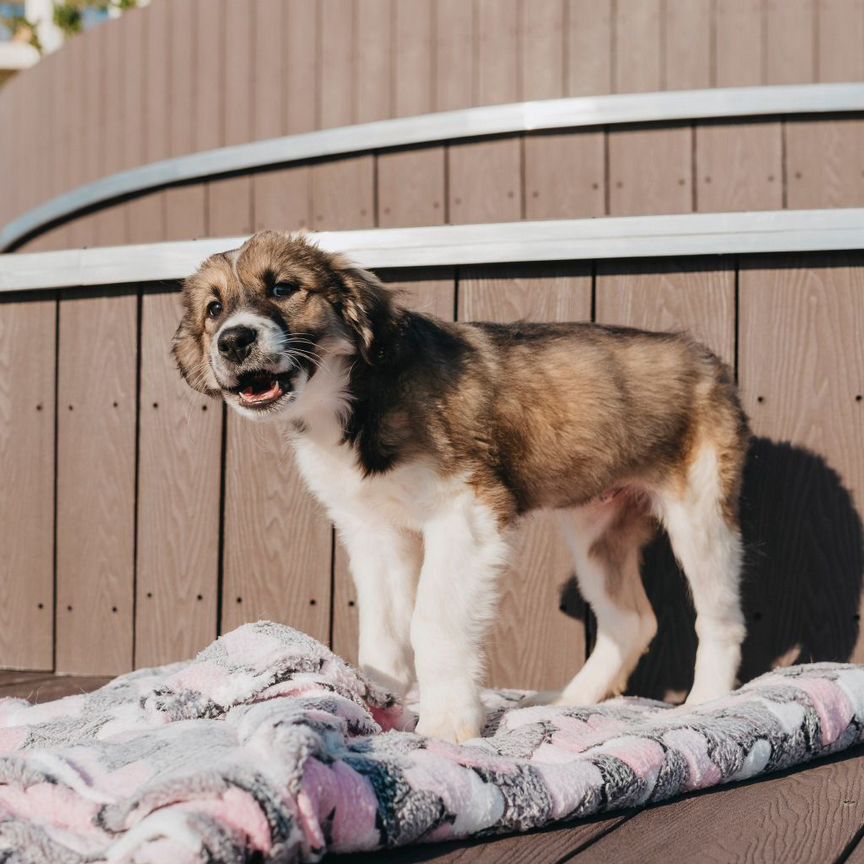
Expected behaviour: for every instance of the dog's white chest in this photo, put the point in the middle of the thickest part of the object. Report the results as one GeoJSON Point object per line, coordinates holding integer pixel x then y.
{"type": "Point", "coordinates": [408, 495]}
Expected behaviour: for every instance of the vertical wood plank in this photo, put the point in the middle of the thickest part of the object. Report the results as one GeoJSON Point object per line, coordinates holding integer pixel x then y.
{"type": "Point", "coordinates": [109, 225]}
{"type": "Point", "coordinates": [343, 194]}
{"type": "Point", "coordinates": [790, 43]}
{"type": "Point", "coordinates": [541, 31]}
{"type": "Point", "coordinates": [588, 50]}
{"type": "Point", "coordinates": [485, 176]}
{"type": "Point", "coordinates": [282, 196]}
{"type": "Point", "coordinates": [824, 163]}
{"type": "Point", "coordinates": [650, 170]}
{"type": "Point", "coordinates": [209, 106]}
{"type": "Point", "coordinates": [277, 202]}
{"type": "Point", "coordinates": [230, 198]}
{"type": "Point", "coordinates": [27, 468]}
{"type": "Point", "coordinates": [103, 103]}
{"type": "Point", "coordinates": [336, 62]}
{"type": "Point", "coordinates": [687, 44]}
{"type": "Point", "coordinates": [94, 104]}
{"type": "Point", "coordinates": [840, 47]}
{"type": "Point", "coordinates": [738, 43]}
{"type": "Point", "coordinates": [300, 67]}
{"type": "Point", "coordinates": [13, 99]}
{"type": "Point", "coordinates": [496, 76]}
{"type": "Point", "coordinates": [638, 40]}
{"type": "Point", "coordinates": [96, 481]}
{"type": "Point", "coordinates": [133, 25]}
{"type": "Point", "coordinates": [485, 181]}
{"type": "Point", "coordinates": [431, 292]}
{"type": "Point", "coordinates": [7, 154]}
{"type": "Point", "coordinates": [373, 58]}
{"type": "Point", "coordinates": [411, 187]}
{"type": "Point", "coordinates": [343, 190]}
{"type": "Point", "coordinates": [78, 63]}
{"type": "Point", "coordinates": [79, 229]}
{"type": "Point", "coordinates": [411, 182]}
{"type": "Point", "coordinates": [185, 206]}
{"type": "Point", "coordinates": [533, 644]}
{"type": "Point", "coordinates": [739, 166]}
{"type": "Point", "coordinates": [110, 228]}
{"type": "Point", "coordinates": [565, 175]}
{"type": "Point", "coordinates": [454, 54]}
{"type": "Point", "coordinates": [801, 374]}
{"type": "Point", "coordinates": [413, 69]}
{"type": "Point", "coordinates": [497, 72]}
{"type": "Point", "coordinates": [146, 214]}
{"type": "Point", "coordinates": [132, 79]}
{"type": "Point", "coordinates": [698, 296]}
{"type": "Point", "coordinates": [694, 295]}
{"type": "Point", "coordinates": [277, 541]}
{"type": "Point", "coordinates": [179, 453]}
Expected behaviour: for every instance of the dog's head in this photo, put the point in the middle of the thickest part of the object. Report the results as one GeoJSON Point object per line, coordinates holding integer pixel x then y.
{"type": "Point", "coordinates": [260, 321]}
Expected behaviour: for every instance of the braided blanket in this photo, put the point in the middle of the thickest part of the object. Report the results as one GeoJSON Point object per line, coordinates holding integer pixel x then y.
{"type": "Point", "coordinates": [268, 747]}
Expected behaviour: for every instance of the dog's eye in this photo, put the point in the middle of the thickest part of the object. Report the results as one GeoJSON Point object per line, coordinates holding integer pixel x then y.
{"type": "Point", "coordinates": [283, 289]}
{"type": "Point", "coordinates": [214, 310]}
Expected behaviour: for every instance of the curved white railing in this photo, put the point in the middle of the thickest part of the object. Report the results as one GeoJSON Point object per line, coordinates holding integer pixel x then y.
{"type": "Point", "coordinates": [452, 245]}
{"type": "Point", "coordinates": [447, 126]}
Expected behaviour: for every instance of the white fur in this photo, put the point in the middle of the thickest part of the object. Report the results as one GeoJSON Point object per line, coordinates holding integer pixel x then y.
{"type": "Point", "coordinates": [625, 624]}
{"type": "Point", "coordinates": [710, 554]}
{"type": "Point", "coordinates": [424, 553]}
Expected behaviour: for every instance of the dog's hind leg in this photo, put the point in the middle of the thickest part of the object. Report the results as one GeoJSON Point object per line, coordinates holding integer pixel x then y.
{"type": "Point", "coordinates": [606, 540]}
{"type": "Point", "coordinates": [700, 518]}
{"type": "Point", "coordinates": [385, 564]}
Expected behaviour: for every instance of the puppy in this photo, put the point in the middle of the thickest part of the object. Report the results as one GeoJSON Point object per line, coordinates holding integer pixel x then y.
{"type": "Point", "coordinates": [426, 441]}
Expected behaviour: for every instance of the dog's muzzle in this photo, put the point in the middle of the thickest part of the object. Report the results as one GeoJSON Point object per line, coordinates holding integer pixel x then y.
{"type": "Point", "coordinates": [254, 375]}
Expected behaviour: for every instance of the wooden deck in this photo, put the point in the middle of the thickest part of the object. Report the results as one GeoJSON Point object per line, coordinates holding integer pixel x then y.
{"type": "Point", "coordinates": [811, 815]}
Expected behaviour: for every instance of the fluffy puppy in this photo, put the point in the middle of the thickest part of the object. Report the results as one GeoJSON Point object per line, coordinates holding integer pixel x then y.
{"type": "Point", "coordinates": [426, 441]}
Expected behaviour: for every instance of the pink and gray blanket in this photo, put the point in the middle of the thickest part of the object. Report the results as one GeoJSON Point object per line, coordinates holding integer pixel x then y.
{"type": "Point", "coordinates": [268, 747]}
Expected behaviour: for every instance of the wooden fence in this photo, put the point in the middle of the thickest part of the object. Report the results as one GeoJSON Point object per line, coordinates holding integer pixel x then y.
{"type": "Point", "coordinates": [711, 166]}
{"type": "Point", "coordinates": [138, 520]}
{"type": "Point", "coordinates": [183, 76]}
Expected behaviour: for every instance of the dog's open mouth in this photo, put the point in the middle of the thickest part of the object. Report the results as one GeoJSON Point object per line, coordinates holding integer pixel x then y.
{"type": "Point", "coordinates": [261, 389]}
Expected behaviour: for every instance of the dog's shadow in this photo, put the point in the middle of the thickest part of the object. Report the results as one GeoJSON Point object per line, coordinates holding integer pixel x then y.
{"type": "Point", "coordinates": [802, 580]}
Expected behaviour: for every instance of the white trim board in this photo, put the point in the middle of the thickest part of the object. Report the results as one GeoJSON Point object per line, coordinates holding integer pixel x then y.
{"type": "Point", "coordinates": [452, 245]}
{"type": "Point", "coordinates": [575, 112]}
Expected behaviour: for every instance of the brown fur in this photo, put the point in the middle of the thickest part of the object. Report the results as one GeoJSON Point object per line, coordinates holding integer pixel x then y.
{"type": "Point", "coordinates": [537, 415]}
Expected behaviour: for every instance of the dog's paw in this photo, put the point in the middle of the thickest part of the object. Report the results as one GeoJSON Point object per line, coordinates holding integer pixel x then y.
{"type": "Point", "coordinates": [543, 697]}
{"type": "Point", "coordinates": [452, 723]}
{"type": "Point", "coordinates": [701, 695]}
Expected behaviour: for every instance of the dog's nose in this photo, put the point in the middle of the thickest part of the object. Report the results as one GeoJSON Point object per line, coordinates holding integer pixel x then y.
{"type": "Point", "coordinates": [235, 343]}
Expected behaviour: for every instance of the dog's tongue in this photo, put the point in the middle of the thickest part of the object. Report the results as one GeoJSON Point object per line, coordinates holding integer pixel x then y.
{"type": "Point", "coordinates": [250, 394]}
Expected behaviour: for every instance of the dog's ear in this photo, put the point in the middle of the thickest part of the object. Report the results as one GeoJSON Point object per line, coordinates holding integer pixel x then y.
{"type": "Point", "coordinates": [367, 309]}
{"type": "Point", "coordinates": [188, 351]}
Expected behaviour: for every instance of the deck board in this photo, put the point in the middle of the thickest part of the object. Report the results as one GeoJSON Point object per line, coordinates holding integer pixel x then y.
{"type": "Point", "coordinates": [545, 846]}
{"type": "Point", "coordinates": [43, 686]}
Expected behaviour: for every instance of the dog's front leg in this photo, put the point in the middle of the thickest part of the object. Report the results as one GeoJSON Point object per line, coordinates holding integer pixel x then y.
{"type": "Point", "coordinates": [385, 564]}
{"type": "Point", "coordinates": [464, 551]}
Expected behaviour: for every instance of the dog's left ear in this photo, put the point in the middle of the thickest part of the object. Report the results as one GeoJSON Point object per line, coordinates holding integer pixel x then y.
{"type": "Point", "coordinates": [367, 309]}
